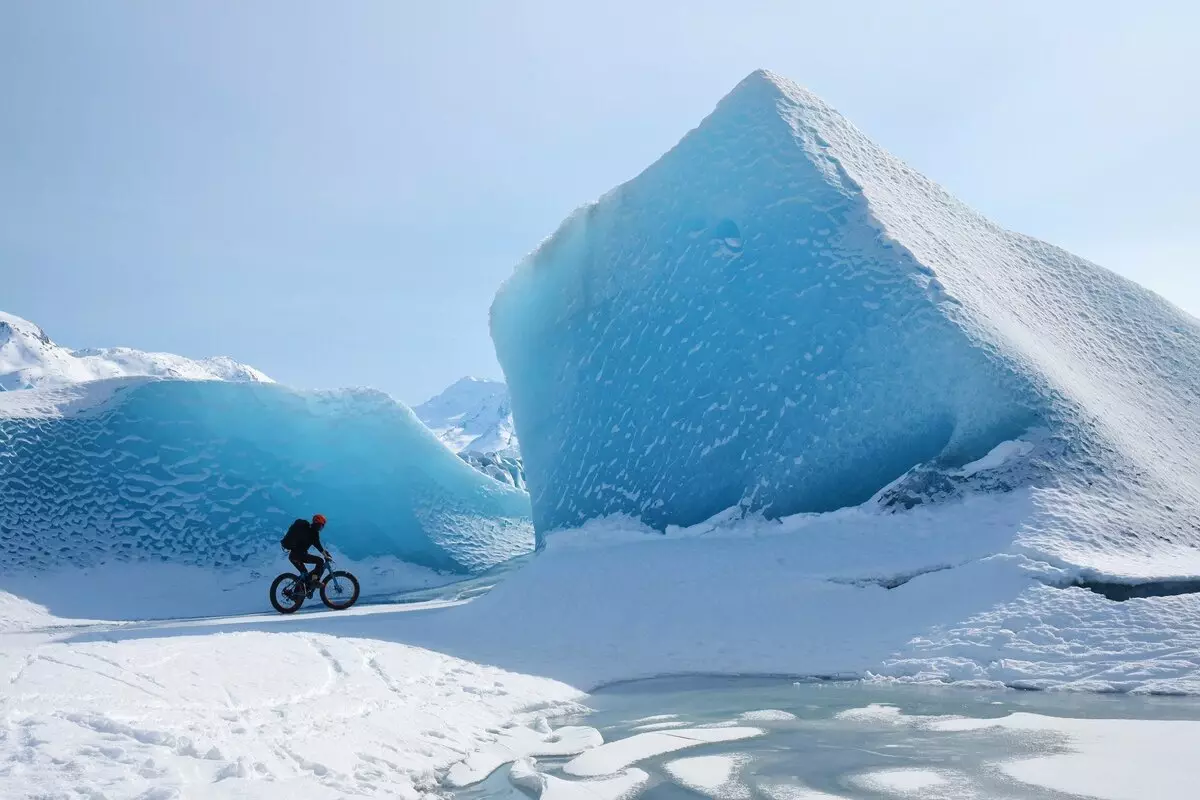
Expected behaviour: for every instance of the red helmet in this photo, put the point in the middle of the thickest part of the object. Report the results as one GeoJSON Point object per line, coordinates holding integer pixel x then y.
{"type": "Point", "coordinates": [319, 519]}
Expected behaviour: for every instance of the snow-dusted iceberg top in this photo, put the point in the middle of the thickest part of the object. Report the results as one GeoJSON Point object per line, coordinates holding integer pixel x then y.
{"type": "Point", "coordinates": [779, 314]}
{"type": "Point", "coordinates": [212, 473]}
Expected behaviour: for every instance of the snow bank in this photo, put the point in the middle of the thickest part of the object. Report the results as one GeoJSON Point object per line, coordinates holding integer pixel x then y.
{"type": "Point", "coordinates": [210, 473]}
{"type": "Point", "coordinates": [937, 594]}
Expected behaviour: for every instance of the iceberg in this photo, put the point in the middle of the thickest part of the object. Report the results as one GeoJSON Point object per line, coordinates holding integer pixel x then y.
{"type": "Point", "coordinates": [211, 473]}
{"type": "Point", "coordinates": [780, 316]}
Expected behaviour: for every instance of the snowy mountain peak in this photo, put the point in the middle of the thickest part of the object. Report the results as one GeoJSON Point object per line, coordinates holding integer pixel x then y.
{"type": "Point", "coordinates": [472, 414]}
{"type": "Point", "coordinates": [29, 359]}
{"type": "Point", "coordinates": [13, 326]}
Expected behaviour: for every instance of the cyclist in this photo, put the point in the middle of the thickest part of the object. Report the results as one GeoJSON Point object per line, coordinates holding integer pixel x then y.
{"type": "Point", "coordinates": [301, 536]}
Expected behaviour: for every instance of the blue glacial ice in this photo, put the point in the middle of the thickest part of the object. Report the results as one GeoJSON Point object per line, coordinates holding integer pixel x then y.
{"type": "Point", "coordinates": [780, 315]}
{"type": "Point", "coordinates": [211, 473]}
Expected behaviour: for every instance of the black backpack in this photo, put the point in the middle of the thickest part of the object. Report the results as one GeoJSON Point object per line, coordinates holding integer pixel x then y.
{"type": "Point", "coordinates": [295, 535]}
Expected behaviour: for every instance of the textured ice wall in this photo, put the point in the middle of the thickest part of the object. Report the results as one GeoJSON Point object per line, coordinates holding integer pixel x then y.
{"type": "Point", "coordinates": [729, 327]}
{"type": "Point", "coordinates": [210, 472]}
{"type": "Point", "coordinates": [780, 314]}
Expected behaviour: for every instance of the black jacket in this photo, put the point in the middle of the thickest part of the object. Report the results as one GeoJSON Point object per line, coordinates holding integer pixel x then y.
{"type": "Point", "coordinates": [301, 536]}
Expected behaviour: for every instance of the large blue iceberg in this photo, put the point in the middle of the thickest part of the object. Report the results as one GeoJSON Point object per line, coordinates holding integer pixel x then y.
{"type": "Point", "coordinates": [211, 473]}
{"type": "Point", "coordinates": [780, 315]}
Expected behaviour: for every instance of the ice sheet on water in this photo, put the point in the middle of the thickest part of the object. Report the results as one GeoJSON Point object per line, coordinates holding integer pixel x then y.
{"type": "Point", "coordinates": [518, 743]}
{"type": "Point", "coordinates": [711, 776]}
{"type": "Point", "coordinates": [550, 787]}
{"type": "Point", "coordinates": [613, 757]}
{"type": "Point", "coordinates": [1100, 755]}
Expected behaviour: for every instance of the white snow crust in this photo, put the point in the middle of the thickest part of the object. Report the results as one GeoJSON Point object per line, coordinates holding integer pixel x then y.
{"type": "Point", "coordinates": [248, 715]}
{"type": "Point", "coordinates": [932, 595]}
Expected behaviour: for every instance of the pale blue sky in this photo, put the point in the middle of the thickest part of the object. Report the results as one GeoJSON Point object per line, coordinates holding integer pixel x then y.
{"type": "Point", "coordinates": [333, 191]}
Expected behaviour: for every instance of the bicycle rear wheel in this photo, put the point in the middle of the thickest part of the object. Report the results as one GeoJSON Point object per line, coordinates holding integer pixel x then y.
{"type": "Point", "coordinates": [339, 591]}
{"type": "Point", "coordinates": [287, 593]}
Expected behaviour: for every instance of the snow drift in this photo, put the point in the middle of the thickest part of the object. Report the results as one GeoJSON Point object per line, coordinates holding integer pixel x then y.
{"type": "Point", "coordinates": [781, 316]}
{"type": "Point", "coordinates": [211, 473]}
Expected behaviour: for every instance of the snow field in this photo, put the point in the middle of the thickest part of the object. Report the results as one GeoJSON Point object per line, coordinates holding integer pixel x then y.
{"type": "Point", "coordinates": [911, 597]}
{"type": "Point", "coordinates": [255, 715]}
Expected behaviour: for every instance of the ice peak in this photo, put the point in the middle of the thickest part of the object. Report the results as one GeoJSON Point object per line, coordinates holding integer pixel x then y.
{"type": "Point", "coordinates": [765, 78]}
{"type": "Point", "coordinates": [763, 87]}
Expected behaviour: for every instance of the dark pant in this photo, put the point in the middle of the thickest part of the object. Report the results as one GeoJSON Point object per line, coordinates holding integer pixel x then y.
{"type": "Point", "coordinates": [301, 557]}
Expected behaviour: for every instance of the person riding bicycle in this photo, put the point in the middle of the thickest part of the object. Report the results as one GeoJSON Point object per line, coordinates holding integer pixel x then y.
{"type": "Point", "coordinates": [299, 538]}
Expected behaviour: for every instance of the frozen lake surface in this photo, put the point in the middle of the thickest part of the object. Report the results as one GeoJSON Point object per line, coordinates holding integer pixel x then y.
{"type": "Point", "coordinates": [814, 741]}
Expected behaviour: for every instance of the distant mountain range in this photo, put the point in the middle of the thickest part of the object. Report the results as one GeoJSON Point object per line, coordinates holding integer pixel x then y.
{"type": "Point", "coordinates": [30, 359]}
{"type": "Point", "coordinates": [472, 415]}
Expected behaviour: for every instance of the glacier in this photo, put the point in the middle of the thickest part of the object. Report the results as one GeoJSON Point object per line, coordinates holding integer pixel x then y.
{"type": "Point", "coordinates": [210, 473]}
{"type": "Point", "coordinates": [780, 316]}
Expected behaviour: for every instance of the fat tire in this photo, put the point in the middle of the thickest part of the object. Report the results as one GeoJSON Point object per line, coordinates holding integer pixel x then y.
{"type": "Point", "coordinates": [282, 609]}
{"type": "Point", "coordinates": [344, 576]}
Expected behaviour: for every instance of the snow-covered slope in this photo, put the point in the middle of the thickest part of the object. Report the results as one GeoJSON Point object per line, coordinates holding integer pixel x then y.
{"type": "Point", "coordinates": [29, 358]}
{"type": "Point", "coordinates": [211, 473]}
{"type": "Point", "coordinates": [779, 315]}
{"type": "Point", "coordinates": [472, 414]}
